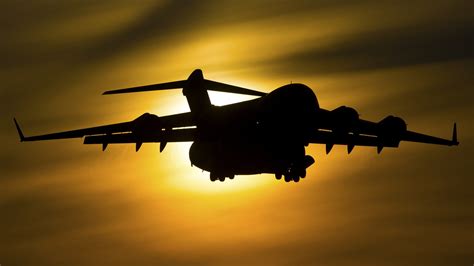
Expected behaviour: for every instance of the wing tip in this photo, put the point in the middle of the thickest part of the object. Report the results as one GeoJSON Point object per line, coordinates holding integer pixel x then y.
{"type": "Point", "coordinates": [20, 133]}
{"type": "Point", "coordinates": [111, 92]}
{"type": "Point", "coordinates": [454, 139]}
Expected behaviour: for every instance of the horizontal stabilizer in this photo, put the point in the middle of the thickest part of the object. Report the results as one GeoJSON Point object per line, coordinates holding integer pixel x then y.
{"type": "Point", "coordinates": [205, 83]}
{"type": "Point", "coordinates": [222, 87]}
{"type": "Point", "coordinates": [154, 87]}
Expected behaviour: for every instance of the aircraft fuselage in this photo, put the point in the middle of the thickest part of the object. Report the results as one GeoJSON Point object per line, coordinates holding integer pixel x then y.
{"type": "Point", "coordinates": [268, 135]}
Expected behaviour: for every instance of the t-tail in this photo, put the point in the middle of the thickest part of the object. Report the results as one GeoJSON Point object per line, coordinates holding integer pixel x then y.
{"type": "Point", "coordinates": [195, 92]}
{"type": "Point", "coordinates": [194, 89]}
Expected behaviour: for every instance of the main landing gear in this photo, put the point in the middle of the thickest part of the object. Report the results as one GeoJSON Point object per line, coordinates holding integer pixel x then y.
{"type": "Point", "coordinates": [295, 170]}
{"type": "Point", "coordinates": [221, 178]}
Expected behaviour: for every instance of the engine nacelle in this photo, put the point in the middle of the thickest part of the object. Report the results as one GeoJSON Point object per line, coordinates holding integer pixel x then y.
{"type": "Point", "coordinates": [204, 155]}
{"type": "Point", "coordinates": [344, 119]}
{"type": "Point", "coordinates": [147, 125]}
{"type": "Point", "coordinates": [391, 128]}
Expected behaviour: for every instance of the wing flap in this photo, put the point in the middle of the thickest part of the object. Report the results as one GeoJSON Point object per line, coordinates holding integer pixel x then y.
{"type": "Point", "coordinates": [327, 137]}
{"type": "Point", "coordinates": [178, 135]}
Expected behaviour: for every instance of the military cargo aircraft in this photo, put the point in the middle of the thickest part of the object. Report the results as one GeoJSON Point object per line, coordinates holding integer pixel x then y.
{"type": "Point", "coordinates": [267, 134]}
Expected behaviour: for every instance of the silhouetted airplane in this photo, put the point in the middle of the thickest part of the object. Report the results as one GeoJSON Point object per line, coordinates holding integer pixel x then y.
{"type": "Point", "coordinates": [264, 135]}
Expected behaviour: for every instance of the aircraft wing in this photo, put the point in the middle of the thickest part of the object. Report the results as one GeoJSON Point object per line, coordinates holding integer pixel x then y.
{"type": "Point", "coordinates": [422, 138]}
{"type": "Point", "coordinates": [78, 133]}
{"type": "Point", "coordinates": [146, 128]}
{"type": "Point", "coordinates": [377, 129]}
{"type": "Point", "coordinates": [376, 139]}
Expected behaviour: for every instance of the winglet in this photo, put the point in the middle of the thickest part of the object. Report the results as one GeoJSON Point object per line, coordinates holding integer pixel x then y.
{"type": "Point", "coordinates": [454, 140]}
{"type": "Point", "coordinates": [22, 137]}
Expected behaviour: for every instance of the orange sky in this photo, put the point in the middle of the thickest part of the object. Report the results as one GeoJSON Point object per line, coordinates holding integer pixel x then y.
{"type": "Point", "coordinates": [62, 202]}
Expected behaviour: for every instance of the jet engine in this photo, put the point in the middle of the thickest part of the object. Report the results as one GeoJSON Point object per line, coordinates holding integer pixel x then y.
{"type": "Point", "coordinates": [391, 128]}
{"type": "Point", "coordinates": [344, 119]}
{"type": "Point", "coordinates": [147, 125]}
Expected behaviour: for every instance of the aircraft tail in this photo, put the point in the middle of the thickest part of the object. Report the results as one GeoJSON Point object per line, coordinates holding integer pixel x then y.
{"type": "Point", "coordinates": [194, 88]}
{"type": "Point", "coordinates": [195, 92]}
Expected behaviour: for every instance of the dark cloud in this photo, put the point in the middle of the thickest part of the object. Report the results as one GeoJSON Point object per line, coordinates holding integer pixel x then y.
{"type": "Point", "coordinates": [434, 99]}
{"type": "Point", "coordinates": [374, 50]}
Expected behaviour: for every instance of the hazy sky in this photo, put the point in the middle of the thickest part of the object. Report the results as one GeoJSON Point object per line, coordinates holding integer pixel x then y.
{"type": "Point", "coordinates": [65, 203]}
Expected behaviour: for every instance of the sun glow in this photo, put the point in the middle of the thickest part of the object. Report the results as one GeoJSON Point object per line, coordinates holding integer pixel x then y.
{"type": "Point", "coordinates": [194, 180]}
{"type": "Point", "coordinates": [222, 98]}
{"type": "Point", "coordinates": [174, 164]}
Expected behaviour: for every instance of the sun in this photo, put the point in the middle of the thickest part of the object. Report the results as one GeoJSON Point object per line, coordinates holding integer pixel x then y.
{"type": "Point", "coordinates": [175, 166]}
{"type": "Point", "coordinates": [194, 180]}
{"type": "Point", "coordinates": [223, 98]}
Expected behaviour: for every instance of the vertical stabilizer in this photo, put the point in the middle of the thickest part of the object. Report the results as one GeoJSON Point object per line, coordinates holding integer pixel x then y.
{"type": "Point", "coordinates": [196, 93]}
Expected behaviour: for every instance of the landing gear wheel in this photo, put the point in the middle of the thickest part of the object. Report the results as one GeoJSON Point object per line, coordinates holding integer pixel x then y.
{"type": "Point", "coordinates": [303, 173]}
{"type": "Point", "coordinates": [221, 178]}
{"type": "Point", "coordinates": [213, 177]}
{"type": "Point", "coordinates": [278, 176]}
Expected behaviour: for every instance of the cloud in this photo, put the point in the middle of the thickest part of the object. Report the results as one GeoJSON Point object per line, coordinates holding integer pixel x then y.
{"type": "Point", "coordinates": [402, 47]}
